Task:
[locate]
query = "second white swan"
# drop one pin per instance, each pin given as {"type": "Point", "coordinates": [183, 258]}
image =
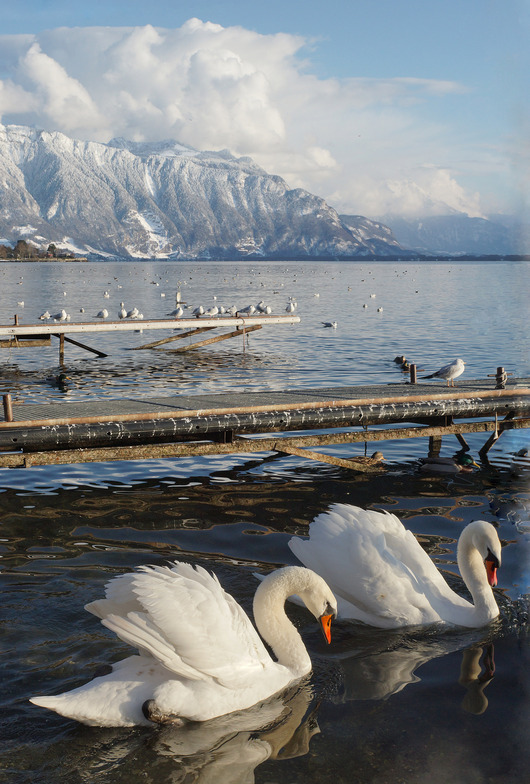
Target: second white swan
{"type": "Point", "coordinates": [381, 575]}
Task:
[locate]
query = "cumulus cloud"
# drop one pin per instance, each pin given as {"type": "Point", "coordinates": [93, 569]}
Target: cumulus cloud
{"type": "Point", "coordinates": [362, 144]}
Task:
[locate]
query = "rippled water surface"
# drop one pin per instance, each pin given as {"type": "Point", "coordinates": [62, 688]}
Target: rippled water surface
{"type": "Point", "coordinates": [401, 706]}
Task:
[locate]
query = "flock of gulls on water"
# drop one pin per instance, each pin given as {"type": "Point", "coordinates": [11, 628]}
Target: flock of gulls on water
{"type": "Point", "coordinates": [199, 656]}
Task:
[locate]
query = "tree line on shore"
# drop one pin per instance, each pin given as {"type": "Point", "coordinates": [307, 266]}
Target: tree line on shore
{"type": "Point", "coordinates": [24, 251]}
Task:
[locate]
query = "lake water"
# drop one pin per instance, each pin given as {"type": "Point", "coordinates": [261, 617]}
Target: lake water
{"type": "Point", "coordinates": [402, 706]}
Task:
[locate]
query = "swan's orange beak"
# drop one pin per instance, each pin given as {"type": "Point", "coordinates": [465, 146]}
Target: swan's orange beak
{"type": "Point", "coordinates": [325, 623]}
{"type": "Point", "coordinates": [491, 571]}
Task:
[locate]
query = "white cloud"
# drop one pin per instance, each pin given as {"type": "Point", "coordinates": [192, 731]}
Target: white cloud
{"type": "Point", "coordinates": [363, 144]}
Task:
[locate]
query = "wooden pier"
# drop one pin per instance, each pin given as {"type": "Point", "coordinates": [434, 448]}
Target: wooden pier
{"type": "Point", "coordinates": [207, 424]}
{"type": "Point", "coordinates": [30, 335]}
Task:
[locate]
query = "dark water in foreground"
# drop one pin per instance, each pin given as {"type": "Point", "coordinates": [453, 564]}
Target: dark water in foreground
{"type": "Point", "coordinates": [402, 706]}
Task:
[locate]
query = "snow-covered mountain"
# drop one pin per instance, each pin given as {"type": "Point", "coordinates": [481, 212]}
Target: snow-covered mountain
{"type": "Point", "coordinates": [165, 200]}
{"type": "Point", "coordinates": [457, 234]}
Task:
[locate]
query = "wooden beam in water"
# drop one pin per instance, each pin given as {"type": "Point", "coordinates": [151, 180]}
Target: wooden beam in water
{"type": "Point", "coordinates": [62, 338]}
{"type": "Point", "coordinates": [217, 339]}
{"type": "Point", "coordinates": [187, 334]}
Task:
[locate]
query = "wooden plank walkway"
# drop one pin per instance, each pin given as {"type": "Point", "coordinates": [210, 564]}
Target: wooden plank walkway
{"type": "Point", "coordinates": [186, 425]}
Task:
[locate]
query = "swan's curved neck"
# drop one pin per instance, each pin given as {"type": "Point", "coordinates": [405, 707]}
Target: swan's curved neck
{"type": "Point", "coordinates": [474, 575]}
{"type": "Point", "coordinates": [273, 623]}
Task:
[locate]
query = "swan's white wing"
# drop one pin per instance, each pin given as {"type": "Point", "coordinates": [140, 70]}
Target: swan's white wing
{"type": "Point", "coordinates": [119, 598]}
{"type": "Point", "coordinates": [375, 565]}
{"type": "Point", "coordinates": [192, 626]}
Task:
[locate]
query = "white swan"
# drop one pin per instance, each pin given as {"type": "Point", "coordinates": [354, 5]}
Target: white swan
{"type": "Point", "coordinates": [382, 576]}
{"type": "Point", "coordinates": [200, 657]}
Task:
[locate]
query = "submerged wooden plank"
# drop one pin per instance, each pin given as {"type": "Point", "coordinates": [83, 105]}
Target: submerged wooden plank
{"type": "Point", "coordinates": [199, 343]}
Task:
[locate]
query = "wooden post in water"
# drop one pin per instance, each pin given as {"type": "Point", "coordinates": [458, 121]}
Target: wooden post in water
{"type": "Point", "coordinates": [413, 375]}
{"type": "Point", "coordinates": [61, 348]}
{"type": "Point", "coordinates": [8, 408]}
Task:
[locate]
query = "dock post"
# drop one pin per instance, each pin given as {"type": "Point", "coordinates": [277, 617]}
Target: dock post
{"type": "Point", "coordinates": [61, 348]}
{"type": "Point", "coordinates": [413, 375]}
{"type": "Point", "coordinates": [501, 378]}
{"type": "Point", "coordinates": [8, 408]}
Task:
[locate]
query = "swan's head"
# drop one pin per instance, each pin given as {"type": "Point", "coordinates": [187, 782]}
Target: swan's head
{"type": "Point", "coordinates": [484, 538]}
{"type": "Point", "coordinates": [319, 599]}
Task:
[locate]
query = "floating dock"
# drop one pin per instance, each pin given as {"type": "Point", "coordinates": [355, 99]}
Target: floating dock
{"type": "Point", "coordinates": [208, 424]}
{"type": "Point", "coordinates": [30, 335]}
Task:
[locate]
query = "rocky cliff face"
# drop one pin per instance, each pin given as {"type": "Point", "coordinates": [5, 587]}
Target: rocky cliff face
{"type": "Point", "coordinates": [126, 199]}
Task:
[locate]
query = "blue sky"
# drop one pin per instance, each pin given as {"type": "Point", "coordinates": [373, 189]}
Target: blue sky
{"type": "Point", "coordinates": [377, 105]}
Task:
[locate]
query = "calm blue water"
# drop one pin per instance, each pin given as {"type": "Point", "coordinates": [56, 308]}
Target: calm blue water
{"type": "Point", "coordinates": [379, 706]}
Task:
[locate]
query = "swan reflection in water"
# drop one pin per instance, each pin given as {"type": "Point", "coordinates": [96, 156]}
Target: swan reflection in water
{"type": "Point", "coordinates": [378, 674]}
{"type": "Point", "coordinates": [475, 677]}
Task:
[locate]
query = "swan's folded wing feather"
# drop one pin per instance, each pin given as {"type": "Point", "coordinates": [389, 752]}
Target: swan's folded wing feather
{"type": "Point", "coordinates": [137, 630]}
{"type": "Point", "coordinates": [204, 625]}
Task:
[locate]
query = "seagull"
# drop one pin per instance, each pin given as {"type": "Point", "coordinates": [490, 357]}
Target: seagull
{"type": "Point", "coordinates": [45, 316]}
{"type": "Point", "coordinates": [449, 372]}
{"type": "Point", "coordinates": [122, 313]}
{"type": "Point", "coordinates": [62, 316]}
{"type": "Point", "coordinates": [132, 314]}
{"type": "Point", "coordinates": [103, 314]}
{"type": "Point", "coordinates": [212, 311]}
{"type": "Point", "coordinates": [177, 313]}
{"type": "Point", "coordinates": [291, 306]}
{"type": "Point", "coordinates": [198, 311]}
{"type": "Point", "coordinates": [248, 311]}
{"type": "Point", "coordinates": [332, 324]}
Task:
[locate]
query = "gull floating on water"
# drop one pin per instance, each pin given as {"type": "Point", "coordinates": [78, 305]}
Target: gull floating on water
{"type": "Point", "coordinates": [449, 372]}
{"type": "Point", "coordinates": [332, 324]}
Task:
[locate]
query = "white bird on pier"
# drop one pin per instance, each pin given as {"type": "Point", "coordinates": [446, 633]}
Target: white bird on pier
{"type": "Point", "coordinates": [45, 316]}
{"type": "Point", "coordinates": [122, 313]}
{"type": "Point", "coordinates": [103, 314]}
{"type": "Point", "coordinates": [198, 311]}
{"type": "Point", "coordinates": [177, 313]}
{"type": "Point", "coordinates": [61, 316]}
{"type": "Point", "coordinates": [248, 311]}
{"type": "Point", "coordinates": [291, 307]}
{"type": "Point", "coordinates": [132, 314]}
{"type": "Point", "coordinates": [449, 372]}
{"type": "Point", "coordinates": [212, 311]}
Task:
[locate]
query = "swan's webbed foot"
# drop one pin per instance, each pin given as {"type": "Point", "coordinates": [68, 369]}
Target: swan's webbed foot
{"type": "Point", "coordinates": [153, 713]}
{"type": "Point", "coordinates": [103, 669]}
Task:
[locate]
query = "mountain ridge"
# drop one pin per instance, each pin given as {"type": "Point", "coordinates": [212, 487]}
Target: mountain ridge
{"type": "Point", "coordinates": [165, 200]}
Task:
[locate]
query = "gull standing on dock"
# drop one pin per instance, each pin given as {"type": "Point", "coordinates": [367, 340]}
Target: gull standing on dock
{"type": "Point", "coordinates": [122, 313]}
{"type": "Point", "coordinates": [449, 372]}
{"type": "Point", "coordinates": [103, 314]}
